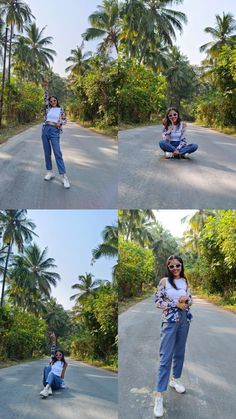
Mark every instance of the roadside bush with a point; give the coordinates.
(136, 267)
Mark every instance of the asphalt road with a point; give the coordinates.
(205, 180)
(209, 370)
(91, 393)
(91, 164)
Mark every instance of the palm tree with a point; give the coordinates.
(80, 61)
(223, 34)
(17, 13)
(133, 224)
(56, 318)
(146, 23)
(109, 247)
(15, 229)
(86, 286)
(104, 24)
(37, 55)
(32, 271)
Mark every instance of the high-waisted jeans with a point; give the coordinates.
(52, 379)
(171, 146)
(51, 140)
(172, 347)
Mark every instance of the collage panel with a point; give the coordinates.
(58, 314)
(177, 104)
(177, 305)
(58, 107)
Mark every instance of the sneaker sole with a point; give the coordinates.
(180, 392)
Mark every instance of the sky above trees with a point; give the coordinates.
(70, 236)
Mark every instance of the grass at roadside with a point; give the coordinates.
(11, 362)
(109, 131)
(123, 126)
(229, 305)
(100, 364)
(8, 132)
(129, 302)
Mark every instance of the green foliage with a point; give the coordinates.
(21, 334)
(24, 102)
(142, 92)
(94, 95)
(213, 266)
(97, 321)
(136, 267)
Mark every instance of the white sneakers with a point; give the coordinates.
(65, 181)
(158, 408)
(49, 175)
(50, 391)
(168, 155)
(44, 392)
(177, 385)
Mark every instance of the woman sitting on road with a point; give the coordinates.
(53, 120)
(174, 143)
(53, 374)
(173, 296)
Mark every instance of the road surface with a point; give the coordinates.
(91, 164)
(147, 180)
(91, 393)
(209, 370)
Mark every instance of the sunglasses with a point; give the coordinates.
(174, 114)
(58, 354)
(178, 265)
(53, 101)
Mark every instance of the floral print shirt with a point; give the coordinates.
(177, 134)
(170, 311)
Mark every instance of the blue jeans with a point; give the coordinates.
(51, 140)
(49, 378)
(172, 145)
(172, 347)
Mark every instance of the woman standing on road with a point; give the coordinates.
(173, 296)
(53, 120)
(53, 374)
(174, 143)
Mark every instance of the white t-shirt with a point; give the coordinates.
(181, 291)
(53, 115)
(57, 368)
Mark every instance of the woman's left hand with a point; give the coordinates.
(182, 299)
(59, 124)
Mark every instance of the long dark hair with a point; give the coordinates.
(167, 121)
(50, 97)
(54, 359)
(171, 275)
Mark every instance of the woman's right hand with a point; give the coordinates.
(182, 306)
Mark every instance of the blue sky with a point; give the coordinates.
(200, 13)
(70, 235)
(65, 21)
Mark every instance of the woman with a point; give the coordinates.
(173, 296)
(53, 374)
(53, 120)
(174, 143)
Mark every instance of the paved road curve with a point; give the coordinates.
(206, 180)
(91, 163)
(209, 369)
(91, 393)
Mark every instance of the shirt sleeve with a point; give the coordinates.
(166, 134)
(63, 118)
(161, 298)
(183, 141)
(46, 103)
